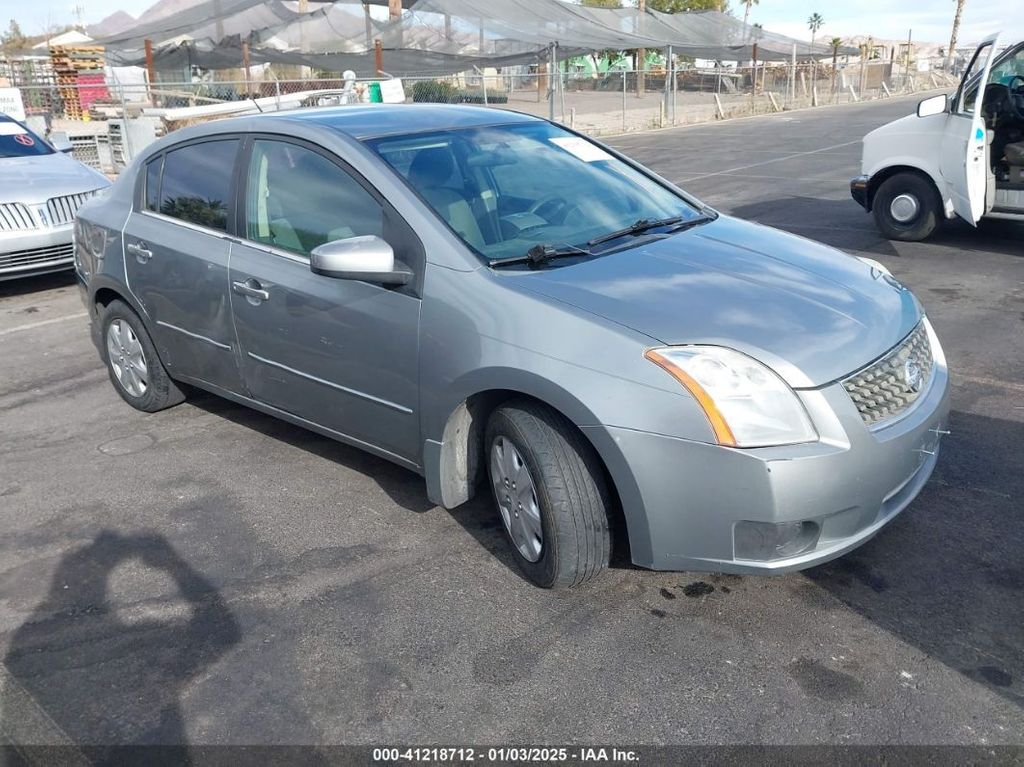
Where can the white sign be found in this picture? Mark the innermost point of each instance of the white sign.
(11, 104)
(391, 91)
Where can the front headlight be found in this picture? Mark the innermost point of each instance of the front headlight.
(747, 404)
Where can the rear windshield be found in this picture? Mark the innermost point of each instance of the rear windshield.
(18, 141)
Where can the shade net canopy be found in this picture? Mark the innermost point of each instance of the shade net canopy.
(435, 36)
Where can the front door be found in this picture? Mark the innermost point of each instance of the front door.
(176, 259)
(339, 353)
(965, 156)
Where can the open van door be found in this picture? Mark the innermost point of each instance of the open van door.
(965, 161)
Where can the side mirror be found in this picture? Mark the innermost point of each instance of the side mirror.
(366, 258)
(60, 141)
(936, 105)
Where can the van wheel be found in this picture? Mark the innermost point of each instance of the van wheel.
(132, 362)
(551, 495)
(906, 207)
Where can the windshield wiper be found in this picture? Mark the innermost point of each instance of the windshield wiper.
(541, 254)
(637, 227)
(678, 224)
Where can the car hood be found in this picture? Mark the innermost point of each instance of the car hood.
(36, 179)
(811, 313)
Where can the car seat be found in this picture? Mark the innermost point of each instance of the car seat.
(430, 171)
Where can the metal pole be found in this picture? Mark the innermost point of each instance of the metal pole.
(552, 84)
(150, 69)
(792, 79)
(675, 90)
(668, 74)
(623, 100)
(561, 90)
(125, 133)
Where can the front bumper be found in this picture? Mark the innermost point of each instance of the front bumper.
(859, 191)
(36, 251)
(683, 500)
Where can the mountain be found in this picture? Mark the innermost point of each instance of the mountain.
(111, 25)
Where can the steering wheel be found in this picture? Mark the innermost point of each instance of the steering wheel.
(1015, 97)
(557, 203)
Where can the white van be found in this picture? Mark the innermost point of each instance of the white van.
(960, 155)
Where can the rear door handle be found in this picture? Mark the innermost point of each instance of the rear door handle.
(251, 289)
(141, 252)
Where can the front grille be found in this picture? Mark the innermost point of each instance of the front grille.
(62, 210)
(886, 388)
(36, 256)
(14, 217)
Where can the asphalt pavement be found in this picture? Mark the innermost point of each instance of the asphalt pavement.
(211, 575)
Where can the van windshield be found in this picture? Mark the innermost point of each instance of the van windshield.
(18, 141)
(505, 189)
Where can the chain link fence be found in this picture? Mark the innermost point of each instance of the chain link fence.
(109, 122)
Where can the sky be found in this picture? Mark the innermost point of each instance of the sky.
(930, 20)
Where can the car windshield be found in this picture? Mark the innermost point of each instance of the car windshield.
(18, 141)
(506, 189)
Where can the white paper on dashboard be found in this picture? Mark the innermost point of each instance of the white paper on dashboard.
(581, 148)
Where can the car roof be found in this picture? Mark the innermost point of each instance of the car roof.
(369, 120)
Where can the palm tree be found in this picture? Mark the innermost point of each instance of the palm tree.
(951, 55)
(835, 43)
(814, 23)
(746, 9)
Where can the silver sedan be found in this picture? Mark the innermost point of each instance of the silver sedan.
(498, 303)
(41, 189)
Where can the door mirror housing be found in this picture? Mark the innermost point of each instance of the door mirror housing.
(936, 105)
(367, 258)
(59, 140)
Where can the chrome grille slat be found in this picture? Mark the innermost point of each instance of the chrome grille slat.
(14, 217)
(62, 210)
(881, 391)
(36, 255)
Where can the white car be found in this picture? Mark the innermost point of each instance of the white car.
(960, 155)
(41, 188)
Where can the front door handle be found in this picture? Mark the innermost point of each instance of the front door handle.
(251, 289)
(141, 252)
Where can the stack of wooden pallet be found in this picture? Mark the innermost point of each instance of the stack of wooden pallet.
(73, 64)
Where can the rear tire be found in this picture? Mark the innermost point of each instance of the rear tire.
(527, 442)
(907, 207)
(135, 369)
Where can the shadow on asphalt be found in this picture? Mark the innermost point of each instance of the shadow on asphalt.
(112, 674)
(947, 576)
(406, 488)
(402, 486)
(25, 285)
(844, 225)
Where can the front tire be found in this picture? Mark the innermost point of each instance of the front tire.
(132, 362)
(906, 208)
(550, 492)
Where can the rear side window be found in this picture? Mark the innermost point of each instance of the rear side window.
(153, 183)
(196, 183)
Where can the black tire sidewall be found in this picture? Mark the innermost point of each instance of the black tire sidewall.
(543, 572)
(927, 219)
(160, 391)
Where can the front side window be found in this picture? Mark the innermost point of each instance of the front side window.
(505, 189)
(970, 98)
(196, 183)
(297, 199)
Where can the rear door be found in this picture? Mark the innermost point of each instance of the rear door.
(965, 157)
(176, 245)
(339, 353)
